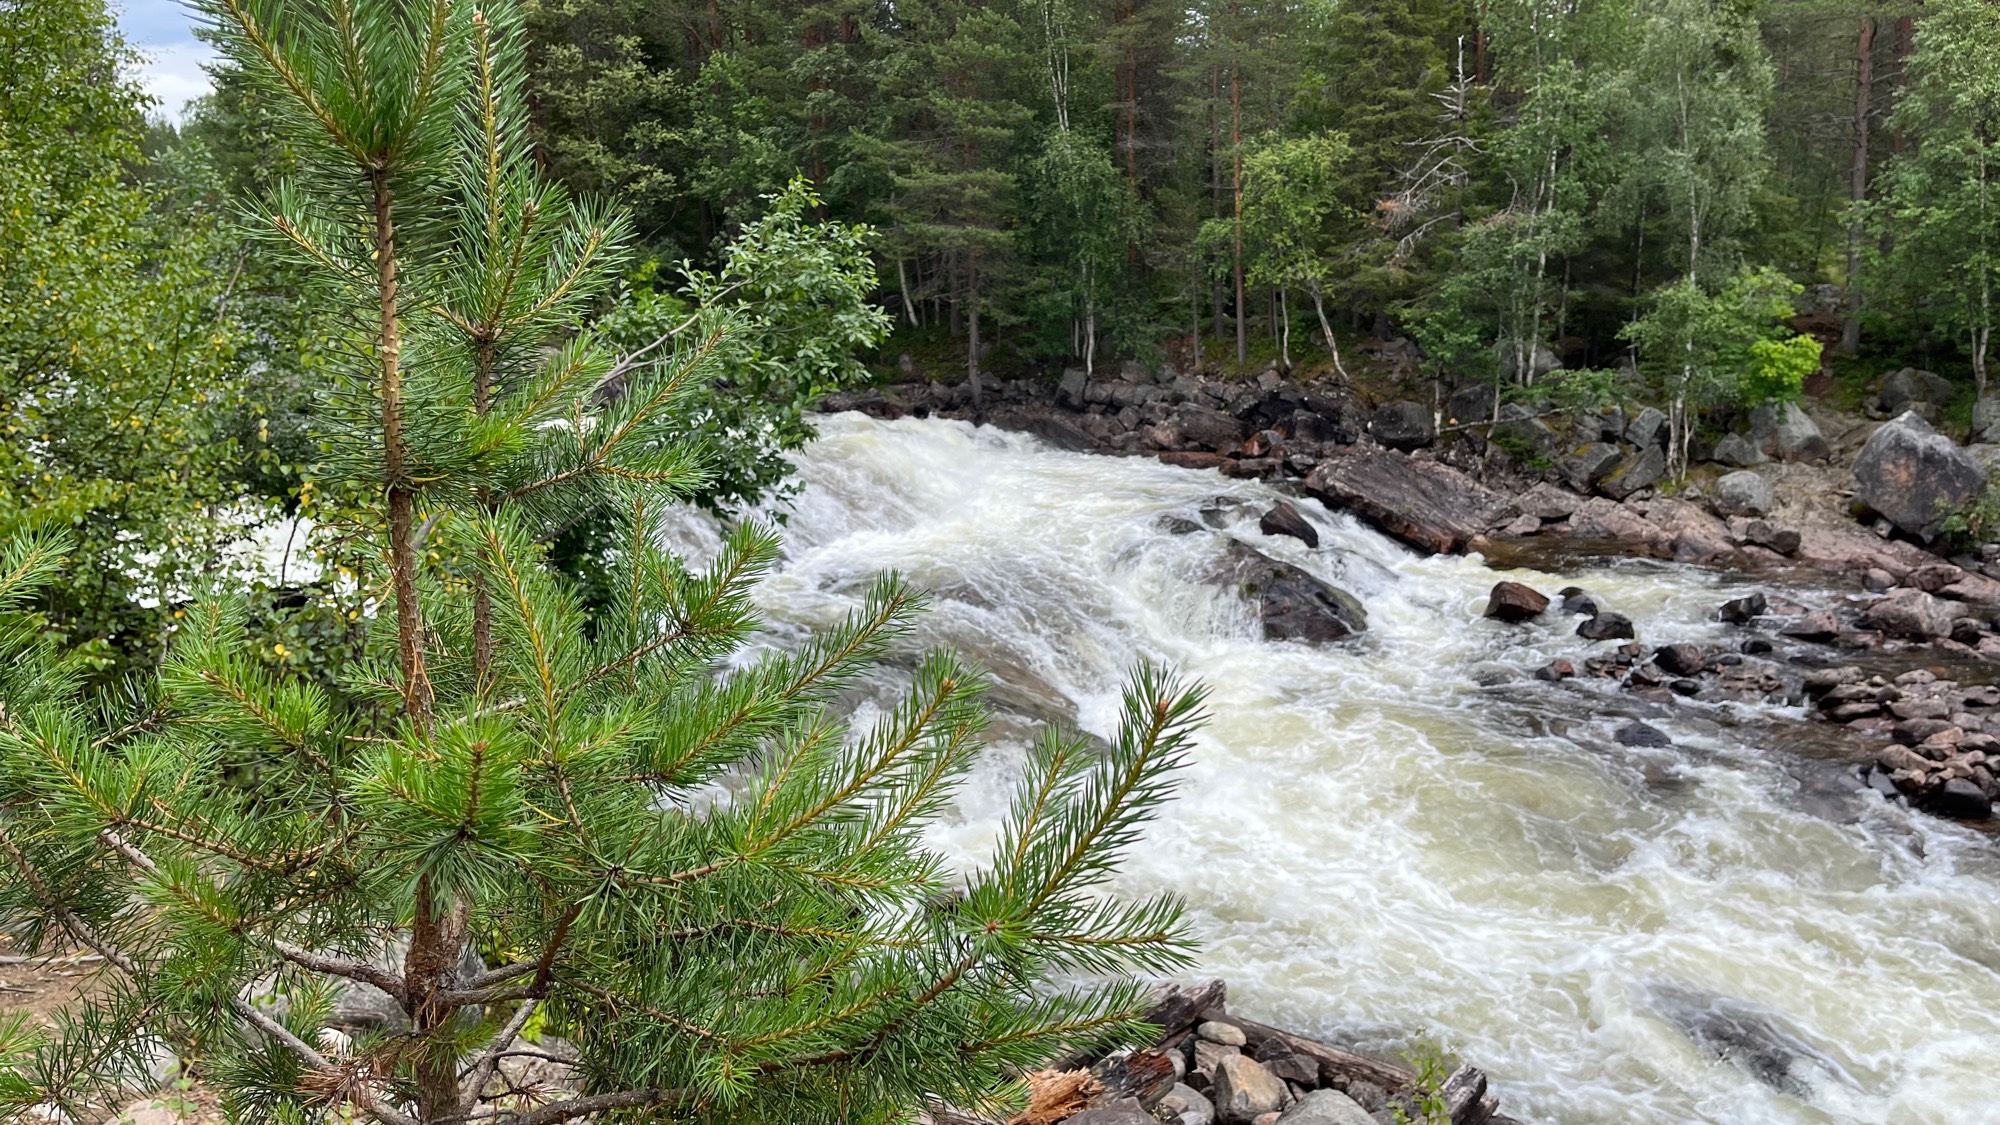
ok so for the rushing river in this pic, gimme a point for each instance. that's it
(1408, 835)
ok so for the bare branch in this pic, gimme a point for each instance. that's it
(343, 967)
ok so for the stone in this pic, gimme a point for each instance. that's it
(1916, 732)
(1292, 604)
(1910, 614)
(1244, 1089)
(1469, 404)
(1962, 799)
(1912, 476)
(1575, 601)
(1429, 506)
(1283, 519)
(1875, 580)
(1740, 450)
(1588, 464)
(1606, 627)
(1796, 437)
(1403, 425)
(1326, 1107)
(1125, 1111)
(1186, 1105)
(1968, 630)
(1639, 734)
(1647, 429)
(1520, 431)
(1070, 392)
(1541, 359)
(1227, 1034)
(1639, 471)
(1986, 420)
(1555, 670)
(1513, 601)
(1287, 1064)
(1208, 1056)
(1680, 659)
(1208, 428)
(1934, 577)
(1819, 625)
(1906, 388)
(1743, 610)
(1547, 502)
(1776, 537)
(1741, 493)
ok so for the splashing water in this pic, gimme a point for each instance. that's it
(1407, 836)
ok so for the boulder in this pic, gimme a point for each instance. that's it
(1742, 493)
(1469, 404)
(1763, 533)
(1547, 502)
(1911, 614)
(1680, 659)
(1283, 519)
(1519, 429)
(1429, 506)
(1904, 389)
(1071, 390)
(1740, 450)
(1986, 420)
(1403, 425)
(1913, 476)
(1819, 625)
(1647, 429)
(1227, 1034)
(1244, 1090)
(1584, 466)
(1125, 1111)
(1743, 610)
(1326, 1107)
(1961, 798)
(1291, 604)
(1513, 601)
(1639, 734)
(1209, 428)
(1606, 627)
(1796, 437)
(1639, 470)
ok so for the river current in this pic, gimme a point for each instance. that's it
(1406, 838)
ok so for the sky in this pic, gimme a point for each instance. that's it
(163, 31)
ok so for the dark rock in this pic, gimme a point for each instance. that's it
(1743, 610)
(1639, 734)
(1647, 429)
(1912, 476)
(1555, 670)
(1755, 646)
(1640, 470)
(1512, 601)
(1680, 659)
(1967, 630)
(1575, 601)
(1070, 392)
(1587, 465)
(1403, 425)
(1875, 580)
(1685, 687)
(1429, 506)
(1521, 430)
(1962, 799)
(1292, 604)
(1605, 627)
(1469, 404)
(1193, 459)
(1283, 519)
(1915, 732)
(1910, 386)
(1178, 525)
(1741, 493)
(1820, 625)
(1279, 1058)
(1208, 428)
(1740, 450)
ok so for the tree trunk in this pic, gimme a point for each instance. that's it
(402, 494)
(1857, 184)
(1332, 345)
(903, 287)
(1285, 332)
(1982, 340)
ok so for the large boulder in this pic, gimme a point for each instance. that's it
(1796, 437)
(1585, 465)
(1640, 470)
(1469, 404)
(1742, 493)
(1513, 601)
(1912, 614)
(1905, 389)
(1647, 428)
(1209, 428)
(1291, 604)
(1432, 507)
(1403, 425)
(1740, 450)
(1913, 476)
(1244, 1090)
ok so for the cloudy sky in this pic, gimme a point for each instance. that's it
(163, 31)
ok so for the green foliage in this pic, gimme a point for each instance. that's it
(1976, 523)
(686, 860)
(1424, 1102)
(1728, 348)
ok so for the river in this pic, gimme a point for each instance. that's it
(1407, 838)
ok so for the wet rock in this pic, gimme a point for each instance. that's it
(1911, 386)
(1403, 425)
(1680, 659)
(1178, 525)
(1429, 506)
(1647, 429)
(1911, 475)
(1820, 625)
(1575, 601)
(1586, 466)
(1326, 1107)
(1962, 799)
(1606, 627)
(1513, 601)
(1193, 459)
(1244, 1089)
(1746, 1036)
(1555, 670)
(1968, 630)
(1916, 732)
(1685, 687)
(1743, 610)
(1911, 614)
(1875, 580)
(1741, 493)
(1639, 734)
(1740, 450)
(1283, 519)
(1755, 646)
(1292, 604)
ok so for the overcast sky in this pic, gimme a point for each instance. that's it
(163, 31)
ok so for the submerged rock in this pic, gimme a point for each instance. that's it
(1283, 519)
(1292, 604)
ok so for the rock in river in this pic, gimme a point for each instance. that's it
(1429, 506)
(1292, 604)
(1512, 601)
(1283, 519)
(1606, 627)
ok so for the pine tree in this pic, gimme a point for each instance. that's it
(537, 821)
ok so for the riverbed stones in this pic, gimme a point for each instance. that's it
(1743, 610)
(1125, 1111)
(1283, 519)
(1741, 493)
(1641, 735)
(1515, 601)
(1244, 1089)
(1680, 659)
(1960, 798)
(1326, 1107)
(1912, 476)
(1606, 626)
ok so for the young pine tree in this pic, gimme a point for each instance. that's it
(536, 822)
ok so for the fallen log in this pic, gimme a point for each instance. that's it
(1466, 1099)
(1336, 1067)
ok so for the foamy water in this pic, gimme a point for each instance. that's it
(1407, 835)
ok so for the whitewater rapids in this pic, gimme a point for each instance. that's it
(1408, 836)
